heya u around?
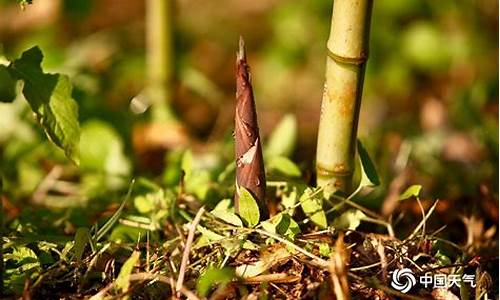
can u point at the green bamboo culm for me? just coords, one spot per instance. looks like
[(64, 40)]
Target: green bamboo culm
[(347, 50), (160, 58)]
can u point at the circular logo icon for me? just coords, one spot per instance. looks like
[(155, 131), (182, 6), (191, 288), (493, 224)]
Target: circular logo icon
[(403, 280)]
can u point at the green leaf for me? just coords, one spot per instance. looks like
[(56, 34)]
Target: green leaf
[(226, 213), (25, 259), (114, 218), (284, 166), (249, 210), (291, 195), (282, 224), (102, 150), (209, 235), (283, 138), (369, 176), (126, 234), (7, 85), (214, 276), (311, 202), (349, 219), (412, 191), (49, 96), (197, 176), (443, 260), (187, 164), (150, 202), (324, 249), (82, 237), (122, 282)]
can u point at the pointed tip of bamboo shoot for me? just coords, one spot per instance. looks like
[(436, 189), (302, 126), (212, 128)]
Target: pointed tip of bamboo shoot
[(241, 55)]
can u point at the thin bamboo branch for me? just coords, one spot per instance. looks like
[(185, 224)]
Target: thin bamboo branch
[(347, 50), (160, 57)]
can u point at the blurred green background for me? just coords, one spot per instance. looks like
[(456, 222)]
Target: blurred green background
[(429, 113)]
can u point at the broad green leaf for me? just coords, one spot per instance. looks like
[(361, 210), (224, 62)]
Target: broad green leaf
[(7, 85), (149, 202), (249, 245), (82, 237), (144, 203), (249, 210), (228, 217), (291, 195), (442, 259), (283, 138), (197, 176), (224, 204), (422, 45), (21, 264), (208, 234), (102, 150), (187, 164), (412, 191), (24, 258), (287, 226), (282, 224), (284, 166), (311, 202), (228, 174), (126, 234), (349, 219), (49, 96), (213, 276), (369, 176), (122, 282), (225, 212)]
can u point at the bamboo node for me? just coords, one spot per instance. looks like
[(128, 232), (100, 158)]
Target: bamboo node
[(357, 61), (336, 172)]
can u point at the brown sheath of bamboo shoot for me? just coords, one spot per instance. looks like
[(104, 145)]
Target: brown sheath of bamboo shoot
[(250, 172)]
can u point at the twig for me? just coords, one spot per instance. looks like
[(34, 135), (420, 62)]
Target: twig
[(422, 223), (365, 267), (422, 210), (143, 277), (383, 259), (275, 277), (281, 291), (46, 184), (315, 259), (387, 225), (338, 271), (185, 255)]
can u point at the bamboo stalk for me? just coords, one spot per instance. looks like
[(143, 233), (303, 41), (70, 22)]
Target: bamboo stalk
[(159, 56), (345, 68)]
